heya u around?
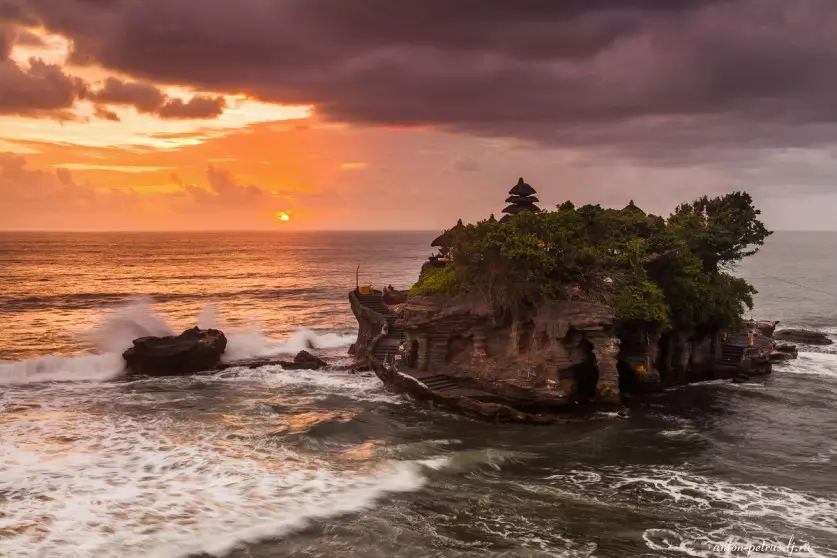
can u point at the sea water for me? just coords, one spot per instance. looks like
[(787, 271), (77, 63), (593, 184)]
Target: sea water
[(265, 462)]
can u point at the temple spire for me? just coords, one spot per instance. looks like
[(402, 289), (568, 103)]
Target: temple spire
[(521, 199)]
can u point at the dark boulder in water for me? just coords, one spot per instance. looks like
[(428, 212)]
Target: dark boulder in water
[(194, 350), (304, 361), (804, 336)]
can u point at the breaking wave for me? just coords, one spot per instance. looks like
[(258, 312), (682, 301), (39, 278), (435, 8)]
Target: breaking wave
[(148, 488), (126, 322)]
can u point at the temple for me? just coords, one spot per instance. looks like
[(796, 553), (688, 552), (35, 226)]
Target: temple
[(444, 242), (632, 208), (521, 199)]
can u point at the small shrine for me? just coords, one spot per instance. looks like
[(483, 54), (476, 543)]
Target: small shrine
[(632, 208)]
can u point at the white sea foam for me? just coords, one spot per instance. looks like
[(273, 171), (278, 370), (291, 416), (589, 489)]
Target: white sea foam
[(124, 323), (813, 364), (724, 542), (252, 344), (689, 490), (316, 384), (89, 368), (115, 486), (740, 508), (747, 500)]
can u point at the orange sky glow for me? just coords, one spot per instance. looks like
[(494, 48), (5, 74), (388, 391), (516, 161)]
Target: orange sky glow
[(253, 167), (214, 130)]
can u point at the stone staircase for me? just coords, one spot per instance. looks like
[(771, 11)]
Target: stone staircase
[(732, 353), (440, 383), (389, 344)]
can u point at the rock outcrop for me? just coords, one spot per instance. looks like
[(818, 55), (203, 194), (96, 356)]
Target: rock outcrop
[(543, 357), (394, 296), (803, 336), (370, 324), (783, 351), (525, 365), (304, 361), (194, 350), (763, 327)]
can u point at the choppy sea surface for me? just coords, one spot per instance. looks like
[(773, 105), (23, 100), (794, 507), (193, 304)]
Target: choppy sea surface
[(268, 463)]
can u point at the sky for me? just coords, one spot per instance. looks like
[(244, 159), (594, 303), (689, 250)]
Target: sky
[(374, 114)]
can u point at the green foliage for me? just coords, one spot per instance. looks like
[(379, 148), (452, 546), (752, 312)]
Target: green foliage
[(720, 231), (641, 302), (648, 268), (436, 281)]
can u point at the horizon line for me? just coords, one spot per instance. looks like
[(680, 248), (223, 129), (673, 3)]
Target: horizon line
[(3, 231), (207, 230)]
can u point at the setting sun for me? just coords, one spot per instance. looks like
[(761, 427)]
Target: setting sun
[(282, 216)]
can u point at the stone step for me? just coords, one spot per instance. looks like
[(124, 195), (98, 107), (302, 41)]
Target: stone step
[(732, 353), (441, 383)]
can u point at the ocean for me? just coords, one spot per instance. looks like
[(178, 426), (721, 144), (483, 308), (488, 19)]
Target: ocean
[(258, 463)]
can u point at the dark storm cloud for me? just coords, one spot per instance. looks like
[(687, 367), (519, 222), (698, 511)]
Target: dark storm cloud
[(149, 99), (199, 106), (589, 73), (40, 90)]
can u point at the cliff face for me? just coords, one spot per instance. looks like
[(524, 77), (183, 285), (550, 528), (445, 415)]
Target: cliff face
[(546, 357), (369, 328)]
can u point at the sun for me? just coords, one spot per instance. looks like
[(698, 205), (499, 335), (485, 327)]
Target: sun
[(282, 216)]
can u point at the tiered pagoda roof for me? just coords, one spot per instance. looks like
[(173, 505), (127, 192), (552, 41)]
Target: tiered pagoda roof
[(521, 199), (632, 208)]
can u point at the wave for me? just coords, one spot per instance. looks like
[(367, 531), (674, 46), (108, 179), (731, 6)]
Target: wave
[(252, 344), (88, 368), (312, 383), (325, 496), (686, 490), (124, 323), (156, 487), (812, 364)]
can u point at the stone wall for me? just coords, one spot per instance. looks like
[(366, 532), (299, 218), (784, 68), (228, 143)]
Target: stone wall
[(369, 329), (546, 356)]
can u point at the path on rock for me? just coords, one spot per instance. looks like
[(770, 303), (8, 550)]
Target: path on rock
[(389, 343)]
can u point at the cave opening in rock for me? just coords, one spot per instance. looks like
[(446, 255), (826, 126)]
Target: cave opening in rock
[(586, 373), (412, 355)]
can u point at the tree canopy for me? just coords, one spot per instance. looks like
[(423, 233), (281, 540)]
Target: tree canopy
[(659, 271)]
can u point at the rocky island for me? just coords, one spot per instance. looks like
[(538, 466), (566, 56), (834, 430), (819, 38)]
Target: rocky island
[(519, 318)]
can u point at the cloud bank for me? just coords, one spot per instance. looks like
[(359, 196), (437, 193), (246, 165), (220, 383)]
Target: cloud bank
[(662, 80)]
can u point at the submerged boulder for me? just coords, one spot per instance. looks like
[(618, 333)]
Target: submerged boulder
[(304, 361), (783, 351), (804, 336), (194, 350)]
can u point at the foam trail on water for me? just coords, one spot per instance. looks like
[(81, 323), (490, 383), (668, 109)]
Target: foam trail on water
[(88, 368), (812, 364), (153, 487), (251, 344)]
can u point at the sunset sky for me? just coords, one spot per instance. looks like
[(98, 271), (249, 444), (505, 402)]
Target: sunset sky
[(373, 114)]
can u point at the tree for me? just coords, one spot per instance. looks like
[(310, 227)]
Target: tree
[(648, 269), (722, 230)]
